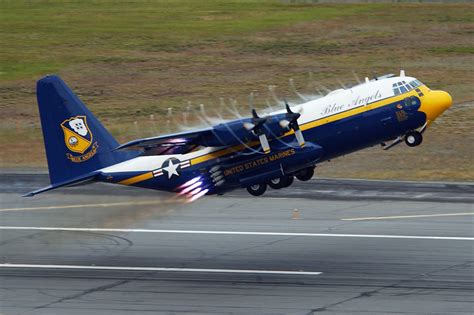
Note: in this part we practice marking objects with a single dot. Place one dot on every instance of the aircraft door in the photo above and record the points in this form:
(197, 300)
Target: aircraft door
(378, 124)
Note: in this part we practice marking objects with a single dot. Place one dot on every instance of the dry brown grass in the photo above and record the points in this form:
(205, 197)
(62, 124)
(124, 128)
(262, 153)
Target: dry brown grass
(431, 42)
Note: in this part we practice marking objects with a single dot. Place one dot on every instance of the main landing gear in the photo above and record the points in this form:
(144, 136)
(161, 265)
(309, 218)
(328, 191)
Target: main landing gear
(281, 182)
(413, 138)
(305, 174)
(257, 189)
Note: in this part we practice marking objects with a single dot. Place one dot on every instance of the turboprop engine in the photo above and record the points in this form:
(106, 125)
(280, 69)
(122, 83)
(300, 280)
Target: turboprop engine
(246, 130)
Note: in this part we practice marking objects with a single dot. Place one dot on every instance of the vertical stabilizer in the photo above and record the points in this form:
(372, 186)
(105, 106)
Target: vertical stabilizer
(76, 142)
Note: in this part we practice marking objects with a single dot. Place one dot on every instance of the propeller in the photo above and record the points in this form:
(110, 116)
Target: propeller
(256, 126)
(291, 122)
(293, 88)
(356, 77)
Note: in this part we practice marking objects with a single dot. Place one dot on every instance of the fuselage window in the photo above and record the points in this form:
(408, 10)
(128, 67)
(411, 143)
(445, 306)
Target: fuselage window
(403, 89)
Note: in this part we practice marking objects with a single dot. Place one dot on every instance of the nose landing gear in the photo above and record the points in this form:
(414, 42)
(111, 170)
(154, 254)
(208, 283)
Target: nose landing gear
(413, 138)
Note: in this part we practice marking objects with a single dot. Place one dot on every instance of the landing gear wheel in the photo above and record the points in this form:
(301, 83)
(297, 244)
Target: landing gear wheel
(413, 138)
(275, 183)
(305, 174)
(257, 189)
(287, 180)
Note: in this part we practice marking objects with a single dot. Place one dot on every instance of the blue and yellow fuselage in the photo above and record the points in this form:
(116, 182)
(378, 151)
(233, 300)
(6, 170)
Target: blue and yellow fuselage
(337, 131)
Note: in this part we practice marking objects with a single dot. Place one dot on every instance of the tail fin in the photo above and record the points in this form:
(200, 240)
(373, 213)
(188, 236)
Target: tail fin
(76, 142)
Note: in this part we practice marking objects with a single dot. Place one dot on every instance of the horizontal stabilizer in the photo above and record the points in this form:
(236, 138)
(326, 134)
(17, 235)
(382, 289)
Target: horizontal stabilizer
(75, 181)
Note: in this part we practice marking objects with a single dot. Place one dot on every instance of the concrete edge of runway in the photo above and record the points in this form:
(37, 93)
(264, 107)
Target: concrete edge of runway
(236, 254)
(315, 189)
(44, 172)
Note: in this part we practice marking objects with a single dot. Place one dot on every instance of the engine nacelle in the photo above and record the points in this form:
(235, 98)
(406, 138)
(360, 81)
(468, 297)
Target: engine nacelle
(236, 132)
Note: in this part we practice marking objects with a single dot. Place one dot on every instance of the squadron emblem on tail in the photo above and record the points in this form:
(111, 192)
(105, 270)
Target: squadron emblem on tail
(78, 139)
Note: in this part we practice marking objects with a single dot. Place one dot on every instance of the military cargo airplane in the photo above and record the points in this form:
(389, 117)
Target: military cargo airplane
(252, 153)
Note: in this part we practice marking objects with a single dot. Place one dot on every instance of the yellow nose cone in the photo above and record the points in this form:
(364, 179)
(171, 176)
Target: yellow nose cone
(434, 103)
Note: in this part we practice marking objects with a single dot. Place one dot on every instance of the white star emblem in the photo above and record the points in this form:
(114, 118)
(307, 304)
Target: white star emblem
(171, 169)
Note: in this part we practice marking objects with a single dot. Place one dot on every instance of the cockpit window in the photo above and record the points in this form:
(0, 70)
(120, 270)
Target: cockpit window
(395, 89)
(403, 87)
(415, 83)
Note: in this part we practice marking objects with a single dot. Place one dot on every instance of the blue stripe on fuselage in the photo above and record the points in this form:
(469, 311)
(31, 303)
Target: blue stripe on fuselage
(336, 138)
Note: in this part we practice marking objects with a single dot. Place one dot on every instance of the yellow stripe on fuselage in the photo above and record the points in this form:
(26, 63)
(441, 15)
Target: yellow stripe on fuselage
(315, 123)
(136, 179)
(306, 126)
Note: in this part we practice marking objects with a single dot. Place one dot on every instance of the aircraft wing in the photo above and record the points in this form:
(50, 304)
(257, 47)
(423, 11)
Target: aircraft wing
(170, 140)
(225, 134)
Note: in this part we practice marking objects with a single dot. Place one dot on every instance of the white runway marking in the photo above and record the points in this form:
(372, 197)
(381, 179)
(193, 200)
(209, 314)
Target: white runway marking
(274, 272)
(73, 229)
(410, 216)
(91, 205)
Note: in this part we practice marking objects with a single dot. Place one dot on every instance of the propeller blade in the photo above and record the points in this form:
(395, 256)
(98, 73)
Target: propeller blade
(259, 131)
(292, 119)
(301, 96)
(299, 137)
(264, 142)
(254, 113)
(356, 77)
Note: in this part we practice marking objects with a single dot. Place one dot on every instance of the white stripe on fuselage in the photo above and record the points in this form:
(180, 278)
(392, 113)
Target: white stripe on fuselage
(335, 102)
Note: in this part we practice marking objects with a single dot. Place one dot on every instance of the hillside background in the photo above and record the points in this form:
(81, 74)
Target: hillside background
(130, 62)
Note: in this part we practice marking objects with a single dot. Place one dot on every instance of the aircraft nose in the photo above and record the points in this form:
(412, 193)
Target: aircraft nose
(435, 103)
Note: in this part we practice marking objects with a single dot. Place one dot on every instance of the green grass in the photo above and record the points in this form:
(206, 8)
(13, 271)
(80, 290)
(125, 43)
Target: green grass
(130, 60)
(452, 50)
(45, 36)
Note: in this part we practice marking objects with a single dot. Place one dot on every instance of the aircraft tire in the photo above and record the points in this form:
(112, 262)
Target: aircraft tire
(287, 181)
(305, 174)
(413, 138)
(275, 183)
(257, 189)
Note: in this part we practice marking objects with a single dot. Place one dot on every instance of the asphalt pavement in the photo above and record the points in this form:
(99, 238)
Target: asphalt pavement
(323, 246)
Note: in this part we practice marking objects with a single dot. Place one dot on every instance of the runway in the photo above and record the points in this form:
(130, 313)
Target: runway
(324, 246)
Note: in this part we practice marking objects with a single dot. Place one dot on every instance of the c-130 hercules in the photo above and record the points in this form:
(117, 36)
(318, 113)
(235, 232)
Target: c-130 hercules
(253, 153)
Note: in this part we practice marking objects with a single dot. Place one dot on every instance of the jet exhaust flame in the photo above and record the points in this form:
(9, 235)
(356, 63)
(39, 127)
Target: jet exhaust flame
(195, 191)
(190, 182)
(188, 189)
(198, 195)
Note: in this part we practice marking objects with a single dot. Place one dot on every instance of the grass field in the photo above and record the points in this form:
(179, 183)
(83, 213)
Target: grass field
(130, 60)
